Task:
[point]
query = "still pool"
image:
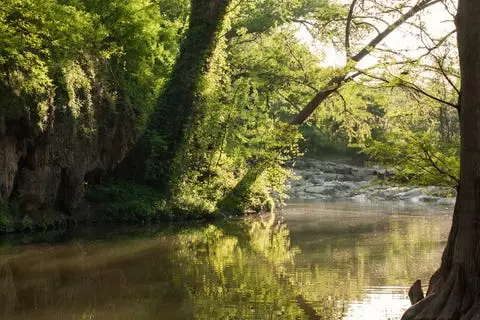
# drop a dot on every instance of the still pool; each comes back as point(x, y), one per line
point(317, 260)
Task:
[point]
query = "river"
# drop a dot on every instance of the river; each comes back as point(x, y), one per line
point(312, 260)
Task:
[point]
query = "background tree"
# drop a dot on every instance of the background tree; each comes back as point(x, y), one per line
point(363, 37)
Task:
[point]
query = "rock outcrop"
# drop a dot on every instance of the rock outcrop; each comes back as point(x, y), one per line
point(50, 167)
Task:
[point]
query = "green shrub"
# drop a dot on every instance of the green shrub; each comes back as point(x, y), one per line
point(8, 217)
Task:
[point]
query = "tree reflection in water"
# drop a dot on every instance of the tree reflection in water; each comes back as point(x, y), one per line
point(256, 268)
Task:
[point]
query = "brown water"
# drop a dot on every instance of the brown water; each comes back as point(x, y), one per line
point(313, 261)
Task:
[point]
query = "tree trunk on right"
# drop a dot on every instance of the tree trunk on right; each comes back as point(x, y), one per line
point(454, 291)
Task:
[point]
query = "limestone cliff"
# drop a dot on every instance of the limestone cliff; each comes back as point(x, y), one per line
point(47, 163)
point(78, 82)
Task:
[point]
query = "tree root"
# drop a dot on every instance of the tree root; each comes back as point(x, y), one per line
point(415, 293)
point(451, 302)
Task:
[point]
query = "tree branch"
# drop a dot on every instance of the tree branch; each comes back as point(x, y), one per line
point(421, 5)
point(337, 81)
point(440, 170)
point(412, 86)
point(348, 28)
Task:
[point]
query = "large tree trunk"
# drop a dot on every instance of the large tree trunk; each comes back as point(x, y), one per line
point(177, 103)
point(152, 159)
point(454, 291)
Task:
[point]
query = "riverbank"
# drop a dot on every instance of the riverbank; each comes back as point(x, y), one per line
point(115, 203)
point(328, 180)
point(316, 180)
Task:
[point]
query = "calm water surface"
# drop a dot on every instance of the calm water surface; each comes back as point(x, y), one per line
point(338, 260)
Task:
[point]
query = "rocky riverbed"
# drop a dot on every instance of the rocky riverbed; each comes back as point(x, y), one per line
point(327, 180)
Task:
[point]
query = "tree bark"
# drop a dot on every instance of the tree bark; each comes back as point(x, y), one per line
point(454, 291)
point(415, 293)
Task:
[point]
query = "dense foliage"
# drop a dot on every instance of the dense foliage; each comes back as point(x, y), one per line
point(54, 53)
point(214, 100)
point(82, 67)
point(421, 142)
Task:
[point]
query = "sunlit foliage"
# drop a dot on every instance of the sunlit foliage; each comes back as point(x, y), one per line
point(55, 53)
point(261, 70)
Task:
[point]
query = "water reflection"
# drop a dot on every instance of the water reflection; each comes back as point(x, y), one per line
point(368, 254)
point(327, 261)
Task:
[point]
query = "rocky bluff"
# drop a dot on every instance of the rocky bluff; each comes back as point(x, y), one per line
point(46, 160)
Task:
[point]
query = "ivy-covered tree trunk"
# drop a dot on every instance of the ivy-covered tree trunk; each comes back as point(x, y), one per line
point(454, 291)
point(165, 134)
